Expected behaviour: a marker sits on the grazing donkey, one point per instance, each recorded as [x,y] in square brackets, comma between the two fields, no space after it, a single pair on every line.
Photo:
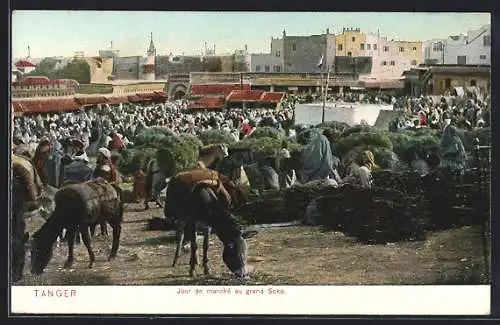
[78,206]
[204,196]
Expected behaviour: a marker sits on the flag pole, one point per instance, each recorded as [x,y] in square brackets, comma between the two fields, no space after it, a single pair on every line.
[322,84]
[325,94]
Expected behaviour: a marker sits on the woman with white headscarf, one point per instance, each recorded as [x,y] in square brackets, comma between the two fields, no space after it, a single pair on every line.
[105,167]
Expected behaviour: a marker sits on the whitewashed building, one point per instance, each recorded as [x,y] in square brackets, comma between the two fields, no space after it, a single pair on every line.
[474,48]
[269,62]
[392,58]
[261,62]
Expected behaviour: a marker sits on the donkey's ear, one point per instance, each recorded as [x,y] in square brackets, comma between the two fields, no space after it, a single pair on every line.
[249,233]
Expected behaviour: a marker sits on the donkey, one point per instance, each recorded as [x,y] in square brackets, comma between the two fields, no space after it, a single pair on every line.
[78,206]
[207,202]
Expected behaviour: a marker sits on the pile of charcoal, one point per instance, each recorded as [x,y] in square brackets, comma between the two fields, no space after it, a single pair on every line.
[299,196]
[267,207]
[457,200]
[375,216]
[407,182]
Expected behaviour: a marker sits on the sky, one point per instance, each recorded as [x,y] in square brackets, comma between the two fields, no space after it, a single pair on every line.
[61,33]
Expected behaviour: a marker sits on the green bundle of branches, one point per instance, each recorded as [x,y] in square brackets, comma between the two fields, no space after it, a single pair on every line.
[216,136]
[405,144]
[151,137]
[376,139]
[177,153]
[358,128]
[264,147]
[131,160]
[385,158]
[267,131]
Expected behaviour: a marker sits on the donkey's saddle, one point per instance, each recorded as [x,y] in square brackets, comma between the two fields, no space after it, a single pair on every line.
[97,195]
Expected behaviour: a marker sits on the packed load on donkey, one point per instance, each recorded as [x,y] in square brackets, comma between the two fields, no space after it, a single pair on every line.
[78,207]
[205,196]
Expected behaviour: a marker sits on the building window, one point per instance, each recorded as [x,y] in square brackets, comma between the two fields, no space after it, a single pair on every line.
[266,68]
[461,59]
[487,40]
[413,62]
[257,68]
[437,47]
[386,48]
[362,46]
[482,57]
[375,47]
[278,54]
[294,47]
[401,49]
[414,48]
[277,68]
[384,62]
[447,83]
[349,54]
[354,39]
[340,47]
[368,46]
[393,63]
[473,83]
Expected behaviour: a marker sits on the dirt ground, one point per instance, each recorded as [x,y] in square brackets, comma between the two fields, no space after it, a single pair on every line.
[280,256]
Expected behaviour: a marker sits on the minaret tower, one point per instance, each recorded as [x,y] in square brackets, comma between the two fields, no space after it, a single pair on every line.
[149,67]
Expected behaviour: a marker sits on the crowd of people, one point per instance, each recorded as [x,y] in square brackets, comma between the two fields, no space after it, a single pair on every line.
[121,124]
[466,113]
[75,137]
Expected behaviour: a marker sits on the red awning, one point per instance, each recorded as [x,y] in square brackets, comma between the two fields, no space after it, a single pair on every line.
[217,89]
[272,97]
[47,105]
[134,98]
[115,100]
[245,95]
[161,94]
[146,96]
[88,101]
[207,102]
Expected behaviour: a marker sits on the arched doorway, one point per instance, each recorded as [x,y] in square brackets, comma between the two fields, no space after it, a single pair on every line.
[179,92]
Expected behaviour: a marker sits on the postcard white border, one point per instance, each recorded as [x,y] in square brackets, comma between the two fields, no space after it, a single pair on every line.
[297,300]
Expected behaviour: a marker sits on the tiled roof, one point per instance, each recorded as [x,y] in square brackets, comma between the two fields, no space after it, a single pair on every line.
[146,95]
[134,98]
[161,94]
[273,97]
[38,81]
[114,100]
[245,95]
[25,64]
[45,105]
[91,100]
[207,102]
